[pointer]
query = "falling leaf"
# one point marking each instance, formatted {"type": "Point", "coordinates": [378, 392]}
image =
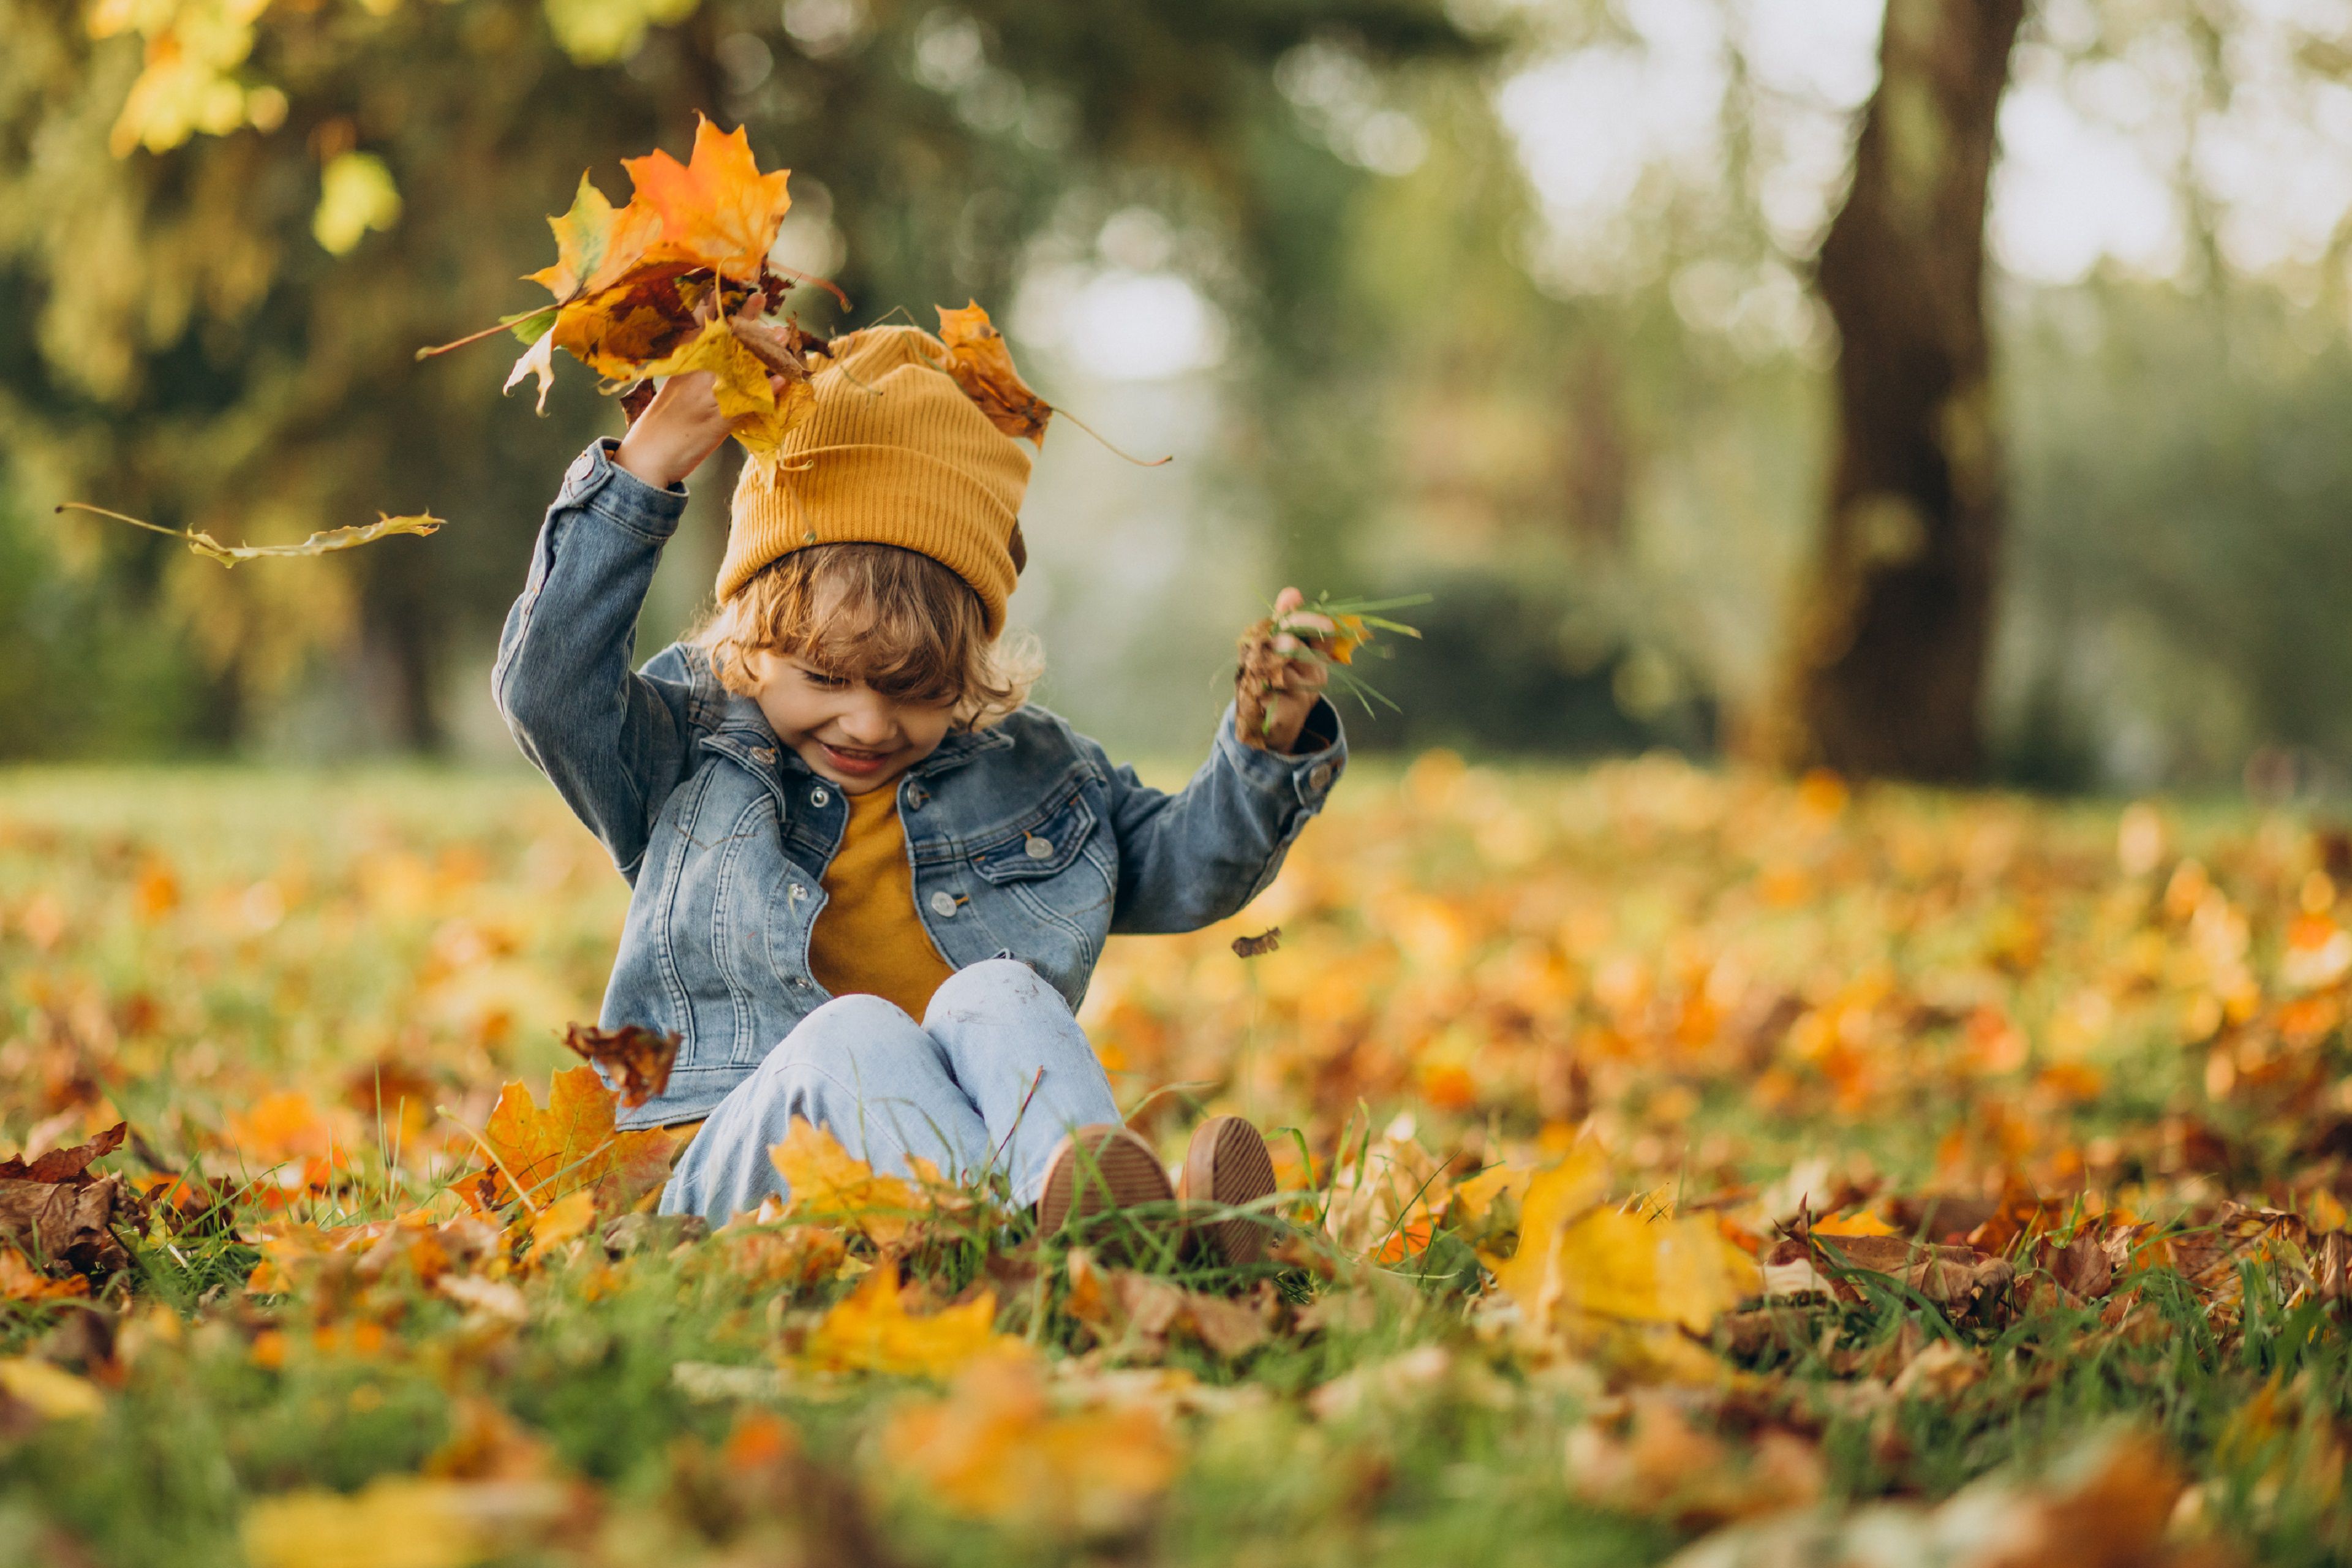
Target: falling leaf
{"type": "Point", "coordinates": [718, 210]}
{"type": "Point", "coordinates": [1266, 941]}
{"type": "Point", "coordinates": [871, 1330]}
{"type": "Point", "coordinates": [640, 1057]}
{"type": "Point", "coordinates": [325, 542]}
{"type": "Point", "coordinates": [570, 1145]}
{"type": "Point", "coordinates": [826, 1183]}
{"type": "Point", "coordinates": [981, 363]}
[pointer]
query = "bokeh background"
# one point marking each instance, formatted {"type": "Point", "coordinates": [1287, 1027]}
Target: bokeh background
{"type": "Point", "coordinates": [1515, 302]}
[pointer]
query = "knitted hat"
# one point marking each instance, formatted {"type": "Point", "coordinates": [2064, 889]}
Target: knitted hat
{"type": "Point", "coordinates": [893, 452]}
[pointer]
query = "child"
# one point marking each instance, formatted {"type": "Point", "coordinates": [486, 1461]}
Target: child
{"type": "Point", "coordinates": [838, 815]}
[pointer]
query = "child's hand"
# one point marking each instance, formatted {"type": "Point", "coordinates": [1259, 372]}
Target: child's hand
{"type": "Point", "coordinates": [1283, 672]}
{"type": "Point", "coordinates": [681, 426]}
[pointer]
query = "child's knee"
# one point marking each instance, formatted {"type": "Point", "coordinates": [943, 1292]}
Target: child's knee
{"type": "Point", "coordinates": [994, 986]}
{"type": "Point", "coordinates": [850, 1043]}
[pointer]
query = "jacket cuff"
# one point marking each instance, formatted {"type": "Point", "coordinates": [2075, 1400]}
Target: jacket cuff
{"type": "Point", "coordinates": [1304, 776]}
{"type": "Point", "coordinates": [596, 483]}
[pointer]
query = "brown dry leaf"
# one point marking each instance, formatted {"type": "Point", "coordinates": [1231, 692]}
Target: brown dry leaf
{"type": "Point", "coordinates": [1138, 1314]}
{"type": "Point", "coordinates": [638, 1056]}
{"type": "Point", "coordinates": [982, 364]}
{"type": "Point", "coordinates": [1257, 946]}
{"type": "Point", "coordinates": [60, 1216]}
{"type": "Point", "coordinates": [66, 1164]}
{"type": "Point", "coordinates": [571, 1144]}
{"type": "Point", "coordinates": [1961, 1278]}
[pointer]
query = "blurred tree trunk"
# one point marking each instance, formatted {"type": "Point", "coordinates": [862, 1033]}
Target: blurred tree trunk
{"type": "Point", "coordinates": [1886, 673]}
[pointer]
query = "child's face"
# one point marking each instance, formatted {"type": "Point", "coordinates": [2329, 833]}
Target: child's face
{"type": "Point", "coordinates": [843, 728]}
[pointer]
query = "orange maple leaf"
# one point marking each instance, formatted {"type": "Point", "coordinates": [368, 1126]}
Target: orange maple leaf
{"type": "Point", "coordinates": [983, 366]}
{"type": "Point", "coordinates": [571, 1144]}
{"type": "Point", "coordinates": [718, 211]}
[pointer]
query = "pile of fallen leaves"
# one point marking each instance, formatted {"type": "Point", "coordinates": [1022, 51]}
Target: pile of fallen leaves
{"type": "Point", "coordinates": [1676, 1164]}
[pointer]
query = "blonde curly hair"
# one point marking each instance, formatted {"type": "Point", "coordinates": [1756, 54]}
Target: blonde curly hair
{"type": "Point", "coordinates": [902, 622]}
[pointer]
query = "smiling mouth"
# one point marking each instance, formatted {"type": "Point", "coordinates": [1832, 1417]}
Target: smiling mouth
{"type": "Point", "coordinates": [855, 762]}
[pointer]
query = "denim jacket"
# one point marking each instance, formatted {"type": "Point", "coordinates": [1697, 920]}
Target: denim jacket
{"type": "Point", "coordinates": [1023, 837]}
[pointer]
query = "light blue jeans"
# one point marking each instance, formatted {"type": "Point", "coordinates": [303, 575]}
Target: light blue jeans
{"type": "Point", "coordinates": [951, 1088]}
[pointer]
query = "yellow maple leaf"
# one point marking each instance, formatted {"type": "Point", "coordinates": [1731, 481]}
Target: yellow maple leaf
{"type": "Point", "coordinates": [1555, 1198]}
{"type": "Point", "coordinates": [1579, 1259]}
{"type": "Point", "coordinates": [828, 1183]}
{"type": "Point", "coordinates": [570, 1145]}
{"type": "Point", "coordinates": [870, 1330]}
{"type": "Point", "coordinates": [756, 415]}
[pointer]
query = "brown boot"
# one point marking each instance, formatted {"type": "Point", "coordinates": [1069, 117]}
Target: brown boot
{"type": "Point", "coordinates": [1097, 1169]}
{"type": "Point", "coordinates": [1227, 1166]}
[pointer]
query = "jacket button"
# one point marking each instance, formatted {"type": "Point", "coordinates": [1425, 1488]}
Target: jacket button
{"type": "Point", "coordinates": [819, 796]}
{"type": "Point", "coordinates": [943, 904]}
{"type": "Point", "coordinates": [1318, 776]}
{"type": "Point", "coordinates": [1038, 848]}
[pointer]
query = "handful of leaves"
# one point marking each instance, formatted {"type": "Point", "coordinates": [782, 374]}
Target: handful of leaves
{"type": "Point", "coordinates": [651, 288]}
{"type": "Point", "coordinates": [656, 288]}
{"type": "Point", "coordinates": [1352, 624]}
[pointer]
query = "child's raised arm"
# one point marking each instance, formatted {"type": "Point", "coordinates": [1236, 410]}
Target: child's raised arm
{"type": "Point", "coordinates": [612, 740]}
{"type": "Point", "coordinates": [1193, 857]}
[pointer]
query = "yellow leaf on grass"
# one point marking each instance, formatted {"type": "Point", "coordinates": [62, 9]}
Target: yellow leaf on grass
{"type": "Point", "coordinates": [1580, 1260]}
{"type": "Point", "coordinates": [1862, 1224]}
{"type": "Point", "coordinates": [1554, 1199]}
{"type": "Point", "coordinates": [394, 1522]}
{"type": "Point", "coordinates": [871, 1330]}
{"type": "Point", "coordinates": [561, 1221]}
{"type": "Point", "coordinates": [996, 1447]}
{"type": "Point", "coordinates": [827, 1182]}
{"type": "Point", "coordinates": [51, 1389]}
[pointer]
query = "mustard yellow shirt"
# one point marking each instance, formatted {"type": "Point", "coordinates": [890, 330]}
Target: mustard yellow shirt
{"type": "Point", "coordinates": [868, 938]}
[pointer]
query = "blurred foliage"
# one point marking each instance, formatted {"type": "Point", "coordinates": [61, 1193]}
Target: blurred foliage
{"type": "Point", "coordinates": [188, 349]}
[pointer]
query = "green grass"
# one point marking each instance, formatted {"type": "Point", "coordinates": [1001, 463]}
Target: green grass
{"type": "Point", "coordinates": [319, 930]}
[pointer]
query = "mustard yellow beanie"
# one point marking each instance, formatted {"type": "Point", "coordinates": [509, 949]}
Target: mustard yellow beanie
{"type": "Point", "coordinates": [893, 452]}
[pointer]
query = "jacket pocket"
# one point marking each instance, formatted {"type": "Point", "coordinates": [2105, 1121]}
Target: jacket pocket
{"type": "Point", "coordinates": [1047, 847]}
{"type": "Point", "coordinates": [1048, 890]}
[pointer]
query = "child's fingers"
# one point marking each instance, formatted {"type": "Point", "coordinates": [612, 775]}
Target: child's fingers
{"type": "Point", "coordinates": [1288, 600]}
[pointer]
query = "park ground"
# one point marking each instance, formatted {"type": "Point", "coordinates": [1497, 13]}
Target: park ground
{"type": "Point", "coordinates": [1678, 1163]}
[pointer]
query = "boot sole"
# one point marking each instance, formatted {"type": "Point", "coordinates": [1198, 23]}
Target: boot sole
{"type": "Point", "coordinates": [1228, 1165]}
{"type": "Point", "coordinates": [1096, 1170]}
